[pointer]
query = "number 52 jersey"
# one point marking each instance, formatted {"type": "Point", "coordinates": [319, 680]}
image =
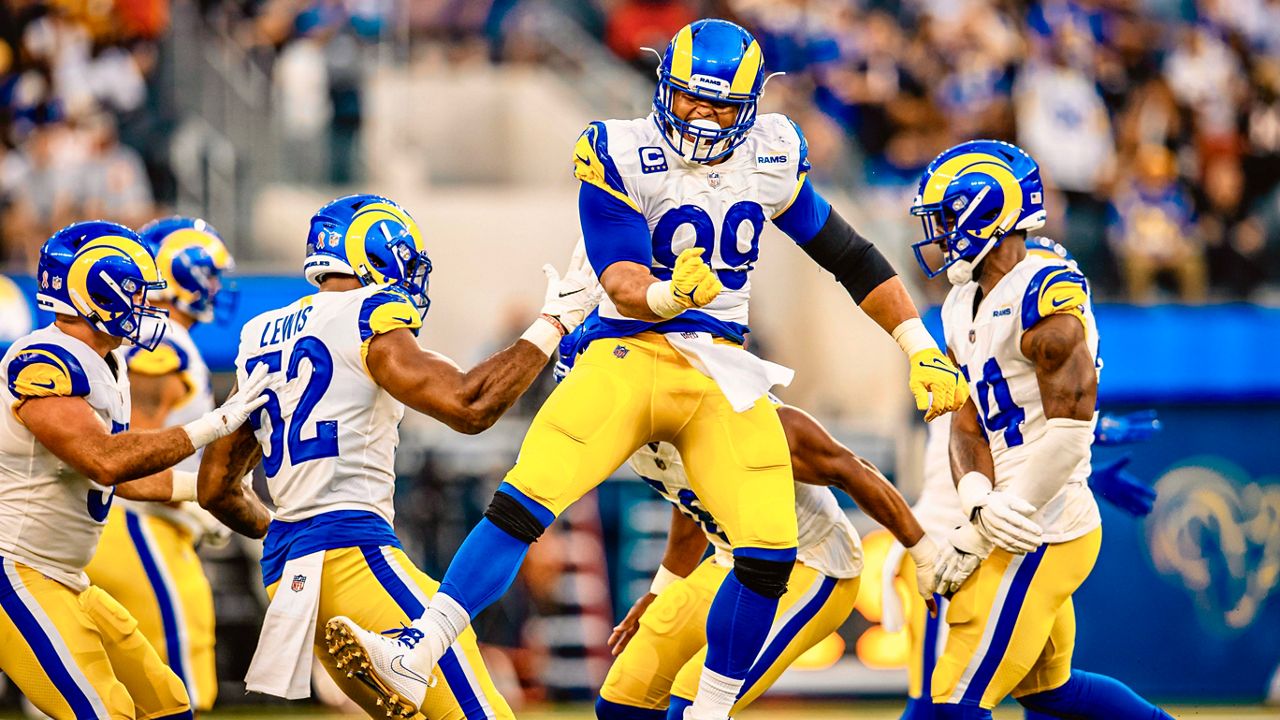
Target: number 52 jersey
{"type": "Point", "coordinates": [987, 342]}
{"type": "Point", "coordinates": [328, 432]}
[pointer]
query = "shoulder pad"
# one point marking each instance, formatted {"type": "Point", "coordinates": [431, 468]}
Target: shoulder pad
{"type": "Point", "coordinates": [47, 370]}
{"type": "Point", "coordinates": [593, 164]}
{"type": "Point", "coordinates": [166, 358]}
{"type": "Point", "coordinates": [387, 310]}
{"type": "Point", "coordinates": [1054, 290]}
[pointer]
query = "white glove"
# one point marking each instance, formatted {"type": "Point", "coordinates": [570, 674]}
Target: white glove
{"type": "Point", "coordinates": [209, 531]}
{"type": "Point", "coordinates": [1005, 519]}
{"type": "Point", "coordinates": [226, 419]}
{"type": "Point", "coordinates": [571, 298]}
{"type": "Point", "coordinates": [926, 556]}
{"type": "Point", "coordinates": [959, 558]}
{"type": "Point", "coordinates": [892, 614]}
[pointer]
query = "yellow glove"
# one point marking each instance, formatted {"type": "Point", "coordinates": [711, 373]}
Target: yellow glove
{"type": "Point", "coordinates": [933, 373]}
{"type": "Point", "coordinates": [693, 283]}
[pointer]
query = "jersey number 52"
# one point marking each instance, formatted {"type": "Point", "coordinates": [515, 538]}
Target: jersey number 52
{"type": "Point", "coordinates": [324, 443]}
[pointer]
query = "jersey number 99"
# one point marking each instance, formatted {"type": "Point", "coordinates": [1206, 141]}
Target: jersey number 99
{"type": "Point", "coordinates": [704, 234]}
{"type": "Point", "coordinates": [324, 444]}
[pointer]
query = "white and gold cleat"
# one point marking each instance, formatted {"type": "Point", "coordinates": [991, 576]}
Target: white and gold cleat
{"type": "Point", "coordinates": [379, 662]}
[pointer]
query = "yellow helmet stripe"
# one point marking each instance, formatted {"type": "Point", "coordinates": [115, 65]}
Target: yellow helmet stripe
{"type": "Point", "coordinates": [682, 55]}
{"type": "Point", "coordinates": [78, 276]}
{"type": "Point", "coordinates": [745, 77]}
{"type": "Point", "coordinates": [978, 162]}
{"type": "Point", "coordinates": [133, 249]}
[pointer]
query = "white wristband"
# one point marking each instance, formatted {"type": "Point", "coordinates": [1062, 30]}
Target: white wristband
{"type": "Point", "coordinates": [912, 337]}
{"type": "Point", "coordinates": [923, 551]}
{"type": "Point", "coordinates": [544, 335]}
{"type": "Point", "coordinates": [662, 579]}
{"type": "Point", "coordinates": [184, 486]}
{"type": "Point", "coordinates": [972, 488]}
{"type": "Point", "coordinates": [661, 301]}
{"type": "Point", "coordinates": [202, 431]}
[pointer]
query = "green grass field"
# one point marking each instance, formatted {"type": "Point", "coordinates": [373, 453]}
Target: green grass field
{"type": "Point", "coordinates": [774, 711]}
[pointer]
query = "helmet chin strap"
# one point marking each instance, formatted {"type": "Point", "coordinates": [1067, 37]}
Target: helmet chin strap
{"type": "Point", "coordinates": [961, 271]}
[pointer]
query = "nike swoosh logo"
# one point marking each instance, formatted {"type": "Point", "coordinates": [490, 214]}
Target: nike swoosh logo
{"type": "Point", "coordinates": [1055, 303]}
{"type": "Point", "coordinates": [584, 161]}
{"type": "Point", "coordinates": [406, 321]}
{"type": "Point", "coordinates": [397, 666]}
{"type": "Point", "coordinates": [571, 292]}
{"type": "Point", "coordinates": [940, 367]}
{"type": "Point", "coordinates": [46, 385]}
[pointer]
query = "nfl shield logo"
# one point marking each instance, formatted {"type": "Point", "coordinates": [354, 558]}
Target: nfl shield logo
{"type": "Point", "coordinates": [621, 351]}
{"type": "Point", "coordinates": [973, 335]}
{"type": "Point", "coordinates": [299, 581]}
{"type": "Point", "coordinates": [714, 180]}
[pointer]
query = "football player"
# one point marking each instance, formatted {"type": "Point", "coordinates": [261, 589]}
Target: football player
{"type": "Point", "coordinates": [938, 510]}
{"type": "Point", "coordinates": [66, 450]}
{"type": "Point", "coordinates": [328, 447]}
{"type": "Point", "coordinates": [1021, 327]}
{"type": "Point", "coordinates": [146, 558]}
{"type": "Point", "coordinates": [671, 208]}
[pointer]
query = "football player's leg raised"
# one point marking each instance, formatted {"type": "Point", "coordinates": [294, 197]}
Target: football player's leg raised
{"type": "Point", "coordinates": [739, 466]}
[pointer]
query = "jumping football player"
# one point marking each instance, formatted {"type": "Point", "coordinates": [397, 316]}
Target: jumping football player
{"type": "Point", "coordinates": [671, 208]}
{"type": "Point", "coordinates": [1021, 326]}
{"type": "Point", "coordinates": [328, 447]}
{"type": "Point", "coordinates": [66, 450]}
{"type": "Point", "coordinates": [146, 558]}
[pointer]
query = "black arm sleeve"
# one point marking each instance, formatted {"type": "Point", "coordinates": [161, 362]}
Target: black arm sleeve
{"type": "Point", "coordinates": [854, 261]}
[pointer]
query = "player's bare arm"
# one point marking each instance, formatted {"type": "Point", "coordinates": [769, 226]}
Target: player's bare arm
{"type": "Point", "coordinates": [686, 544]}
{"type": "Point", "coordinates": [1065, 368]}
{"type": "Point", "coordinates": [469, 402]}
{"type": "Point", "coordinates": [153, 398]}
{"type": "Point", "coordinates": [969, 450]}
{"type": "Point", "coordinates": [221, 491]}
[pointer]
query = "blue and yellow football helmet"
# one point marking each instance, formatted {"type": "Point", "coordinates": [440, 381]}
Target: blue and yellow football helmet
{"type": "Point", "coordinates": [718, 61]}
{"type": "Point", "coordinates": [970, 197]}
{"type": "Point", "coordinates": [193, 262]}
{"type": "Point", "coordinates": [102, 272]}
{"type": "Point", "coordinates": [375, 240]}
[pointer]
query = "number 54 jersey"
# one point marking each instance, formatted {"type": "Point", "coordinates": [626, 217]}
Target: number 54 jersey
{"type": "Point", "coordinates": [720, 208]}
{"type": "Point", "coordinates": [987, 342]}
{"type": "Point", "coordinates": [328, 431]}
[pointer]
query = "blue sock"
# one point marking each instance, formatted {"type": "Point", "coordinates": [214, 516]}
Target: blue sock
{"type": "Point", "coordinates": [1087, 696]}
{"type": "Point", "coordinates": [737, 625]}
{"type": "Point", "coordinates": [487, 563]}
{"type": "Point", "coordinates": [961, 711]}
{"type": "Point", "coordinates": [920, 708]}
{"type": "Point", "coordinates": [606, 710]}
{"type": "Point", "coordinates": [1029, 714]}
{"type": "Point", "coordinates": [675, 711]}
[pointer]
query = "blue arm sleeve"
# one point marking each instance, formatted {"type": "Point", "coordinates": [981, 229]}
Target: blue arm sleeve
{"type": "Point", "coordinates": [806, 215]}
{"type": "Point", "coordinates": [613, 231]}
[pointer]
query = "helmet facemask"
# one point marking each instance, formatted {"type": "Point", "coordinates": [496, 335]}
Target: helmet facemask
{"type": "Point", "coordinates": [700, 140]}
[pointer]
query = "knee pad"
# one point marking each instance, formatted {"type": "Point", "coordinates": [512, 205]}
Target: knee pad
{"type": "Point", "coordinates": [606, 710]}
{"type": "Point", "coordinates": [514, 518]}
{"type": "Point", "coordinates": [766, 577]}
{"type": "Point", "coordinates": [963, 711]}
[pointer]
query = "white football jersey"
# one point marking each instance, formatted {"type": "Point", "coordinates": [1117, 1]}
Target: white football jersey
{"type": "Point", "coordinates": [938, 507]}
{"type": "Point", "coordinates": [721, 208]}
{"type": "Point", "coordinates": [828, 542]}
{"type": "Point", "coordinates": [328, 432]}
{"type": "Point", "coordinates": [987, 342]}
{"type": "Point", "coordinates": [51, 516]}
{"type": "Point", "coordinates": [177, 353]}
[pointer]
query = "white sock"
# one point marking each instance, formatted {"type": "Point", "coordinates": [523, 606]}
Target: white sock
{"type": "Point", "coordinates": [441, 624]}
{"type": "Point", "coordinates": [716, 696]}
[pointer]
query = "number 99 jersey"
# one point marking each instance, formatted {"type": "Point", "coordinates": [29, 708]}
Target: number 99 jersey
{"type": "Point", "coordinates": [720, 208]}
{"type": "Point", "coordinates": [328, 431]}
{"type": "Point", "coordinates": [987, 342]}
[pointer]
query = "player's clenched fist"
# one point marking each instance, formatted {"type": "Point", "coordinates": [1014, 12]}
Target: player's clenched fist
{"type": "Point", "coordinates": [693, 282]}
{"type": "Point", "coordinates": [932, 374]}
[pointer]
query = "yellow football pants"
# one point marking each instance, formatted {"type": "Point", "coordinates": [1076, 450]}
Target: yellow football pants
{"type": "Point", "coordinates": [666, 655]}
{"type": "Point", "coordinates": [1012, 624]}
{"type": "Point", "coordinates": [379, 588]}
{"type": "Point", "coordinates": [80, 655]}
{"type": "Point", "coordinates": [626, 392]}
{"type": "Point", "coordinates": [150, 565]}
{"type": "Point", "coordinates": [926, 634]}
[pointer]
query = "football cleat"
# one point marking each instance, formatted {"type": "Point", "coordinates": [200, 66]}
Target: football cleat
{"type": "Point", "coordinates": [379, 661]}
